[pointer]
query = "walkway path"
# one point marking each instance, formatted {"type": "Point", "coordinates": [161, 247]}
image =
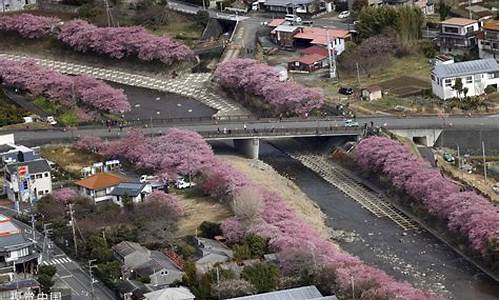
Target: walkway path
{"type": "Point", "coordinates": [191, 85]}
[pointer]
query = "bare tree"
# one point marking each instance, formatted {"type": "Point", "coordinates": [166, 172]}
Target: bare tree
{"type": "Point", "coordinates": [247, 204]}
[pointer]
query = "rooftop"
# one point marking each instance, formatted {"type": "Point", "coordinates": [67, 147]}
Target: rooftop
{"type": "Point", "coordinates": [320, 36]}
{"type": "Point", "coordinates": [286, 3]}
{"type": "Point", "coordinates": [491, 25]}
{"type": "Point", "coordinates": [459, 21]}
{"type": "Point", "coordinates": [301, 293]}
{"type": "Point", "coordinates": [285, 28]}
{"type": "Point", "coordinates": [373, 88]}
{"type": "Point", "coordinates": [276, 22]}
{"type": "Point", "coordinates": [157, 262]}
{"type": "Point", "coordinates": [466, 68]}
{"type": "Point", "coordinates": [100, 181]}
{"type": "Point", "coordinates": [131, 189]}
{"type": "Point", "coordinates": [178, 293]}
{"type": "Point", "coordinates": [34, 166]}
{"type": "Point", "coordinates": [126, 248]}
{"type": "Point", "coordinates": [310, 58]}
{"type": "Point", "coordinates": [317, 49]}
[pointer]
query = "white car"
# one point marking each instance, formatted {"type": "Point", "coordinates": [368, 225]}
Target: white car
{"type": "Point", "coordinates": [293, 19]}
{"type": "Point", "coordinates": [51, 120]}
{"type": "Point", "coordinates": [344, 14]}
{"type": "Point", "coordinates": [351, 123]}
{"type": "Point", "coordinates": [181, 183]}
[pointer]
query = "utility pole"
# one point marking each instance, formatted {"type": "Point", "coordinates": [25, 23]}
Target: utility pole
{"type": "Point", "coordinates": [331, 56]}
{"type": "Point", "coordinates": [91, 266]}
{"type": "Point", "coordinates": [470, 9]}
{"type": "Point", "coordinates": [484, 163]}
{"type": "Point", "coordinates": [72, 222]}
{"type": "Point", "coordinates": [33, 227]}
{"type": "Point", "coordinates": [46, 232]}
{"type": "Point", "coordinates": [357, 71]}
{"type": "Point", "coordinates": [109, 16]}
{"type": "Point", "coordinates": [459, 163]}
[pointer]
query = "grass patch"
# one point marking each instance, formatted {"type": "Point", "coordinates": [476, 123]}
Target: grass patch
{"type": "Point", "coordinates": [9, 112]}
{"type": "Point", "coordinates": [49, 107]}
{"type": "Point", "coordinates": [387, 103]}
{"type": "Point", "coordinates": [68, 118]}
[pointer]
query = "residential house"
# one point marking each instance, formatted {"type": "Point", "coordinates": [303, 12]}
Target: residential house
{"type": "Point", "coordinates": [135, 191]}
{"type": "Point", "coordinates": [310, 36]}
{"type": "Point", "coordinates": [12, 287]}
{"type": "Point", "coordinates": [99, 186]}
{"type": "Point", "coordinates": [11, 153]}
{"type": "Point", "coordinates": [308, 63]}
{"type": "Point", "coordinates": [488, 40]}
{"type": "Point", "coordinates": [15, 5]}
{"type": "Point", "coordinates": [17, 252]}
{"type": "Point", "coordinates": [27, 181]}
{"type": "Point", "coordinates": [312, 58]}
{"type": "Point", "coordinates": [426, 6]}
{"type": "Point", "coordinates": [283, 35]}
{"type": "Point", "coordinates": [211, 252]}
{"type": "Point", "coordinates": [302, 293]}
{"type": "Point", "coordinates": [476, 75]}
{"type": "Point", "coordinates": [372, 92]}
{"type": "Point", "coordinates": [458, 36]}
{"type": "Point", "coordinates": [299, 6]}
{"type": "Point", "coordinates": [140, 262]}
{"type": "Point", "coordinates": [173, 293]}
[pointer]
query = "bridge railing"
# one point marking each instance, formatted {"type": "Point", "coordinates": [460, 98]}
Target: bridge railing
{"type": "Point", "coordinates": [296, 131]}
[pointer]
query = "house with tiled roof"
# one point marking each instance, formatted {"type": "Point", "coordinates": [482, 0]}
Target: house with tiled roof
{"type": "Point", "coordinates": [488, 40]}
{"type": "Point", "coordinates": [458, 36]}
{"type": "Point", "coordinates": [308, 63]}
{"type": "Point", "coordinates": [99, 186]}
{"type": "Point", "coordinates": [310, 36]}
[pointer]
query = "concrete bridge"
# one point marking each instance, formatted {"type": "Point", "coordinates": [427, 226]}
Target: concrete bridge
{"type": "Point", "coordinates": [246, 134]}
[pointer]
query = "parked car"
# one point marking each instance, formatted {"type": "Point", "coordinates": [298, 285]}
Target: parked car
{"type": "Point", "coordinates": [307, 22]}
{"type": "Point", "coordinates": [448, 157]}
{"type": "Point", "coordinates": [344, 14]}
{"type": "Point", "coordinates": [181, 183]}
{"type": "Point", "coordinates": [51, 120]}
{"type": "Point", "coordinates": [293, 18]}
{"type": "Point", "coordinates": [346, 91]}
{"type": "Point", "coordinates": [148, 178]}
{"type": "Point", "coordinates": [350, 123]}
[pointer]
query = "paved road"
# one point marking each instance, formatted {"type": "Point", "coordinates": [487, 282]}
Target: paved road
{"type": "Point", "coordinates": [33, 137]}
{"type": "Point", "coordinates": [69, 273]}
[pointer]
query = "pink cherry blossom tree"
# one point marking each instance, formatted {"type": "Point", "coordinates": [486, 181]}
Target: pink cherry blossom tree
{"type": "Point", "coordinates": [167, 199]}
{"type": "Point", "coordinates": [120, 42]}
{"type": "Point", "coordinates": [466, 212]}
{"type": "Point", "coordinates": [27, 25]}
{"type": "Point", "coordinates": [262, 81]}
{"type": "Point", "coordinates": [64, 195]}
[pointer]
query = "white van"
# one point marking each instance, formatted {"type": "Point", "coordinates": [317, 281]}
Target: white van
{"type": "Point", "coordinates": [293, 18]}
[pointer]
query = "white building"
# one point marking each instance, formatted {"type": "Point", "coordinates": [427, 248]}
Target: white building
{"type": "Point", "coordinates": [27, 180]}
{"type": "Point", "coordinates": [13, 5]}
{"type": "Point", "coordinates": [476, 75]}
{"type": "Point", "coordinates": [135, 191]}
{"type": "Point", "coordinates": [99, 186]}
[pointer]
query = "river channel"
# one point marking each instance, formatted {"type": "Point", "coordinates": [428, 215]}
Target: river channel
{"type": "Point", "coordinates": [416, 257]}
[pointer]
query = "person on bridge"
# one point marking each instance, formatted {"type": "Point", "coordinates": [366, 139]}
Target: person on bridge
{"type": "Point", "coordinates": [244, 126]}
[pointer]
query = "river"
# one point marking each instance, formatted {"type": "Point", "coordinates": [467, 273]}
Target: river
{"type": "Point", "coordinates": [416, 257]}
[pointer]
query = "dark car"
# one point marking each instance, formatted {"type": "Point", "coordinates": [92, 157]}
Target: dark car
{"type": "Point", "coordinates": [346, 91]}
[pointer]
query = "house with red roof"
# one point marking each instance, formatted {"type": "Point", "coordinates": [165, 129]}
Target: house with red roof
{"type": "Point", "coordinates": [308, 63]}
{"type": "Point", "coordinates": [310, 36]}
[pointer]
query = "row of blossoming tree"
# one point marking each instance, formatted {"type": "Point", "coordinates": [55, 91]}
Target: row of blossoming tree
{"type": "Point", "coordinates": [63, 89]}
{"type": "Point", "coordinates": [182, 152]}
{"type": "Point", "coordinates": [464, 211]}
{"type": "Point", "coordinates": [261, 80]}
{"type": "Point", "coordinates": [115, 42]}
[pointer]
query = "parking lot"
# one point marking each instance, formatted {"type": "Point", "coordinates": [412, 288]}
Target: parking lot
{"type": "Point", "coordinates": [147, 104]}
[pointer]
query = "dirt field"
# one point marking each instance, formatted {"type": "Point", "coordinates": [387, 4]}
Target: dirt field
{"type": "Point", "coordinates": [265, 176]}
{"type": "Point", "coordinates": [405, 86]}
{"type": "Point", "coordinates": [199, 209]}
{"type": "Point", "coordinates": [68, 158]}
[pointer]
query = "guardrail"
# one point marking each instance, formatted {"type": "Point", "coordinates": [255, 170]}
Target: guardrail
{"type": "Point", "coordinates": [296, 131]}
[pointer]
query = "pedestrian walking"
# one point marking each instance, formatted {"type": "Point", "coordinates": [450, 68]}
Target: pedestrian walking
{"type": "Point", "coordinates": [218, 130]}
{"type": "Point", "coordinates": [224, 130]}
{"type": "Point", "coordinates": [121, 126]}
{"type": "Point", "coordinates": [244, 126]}
{"type": "Point", "coordinates": [371, 124]}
